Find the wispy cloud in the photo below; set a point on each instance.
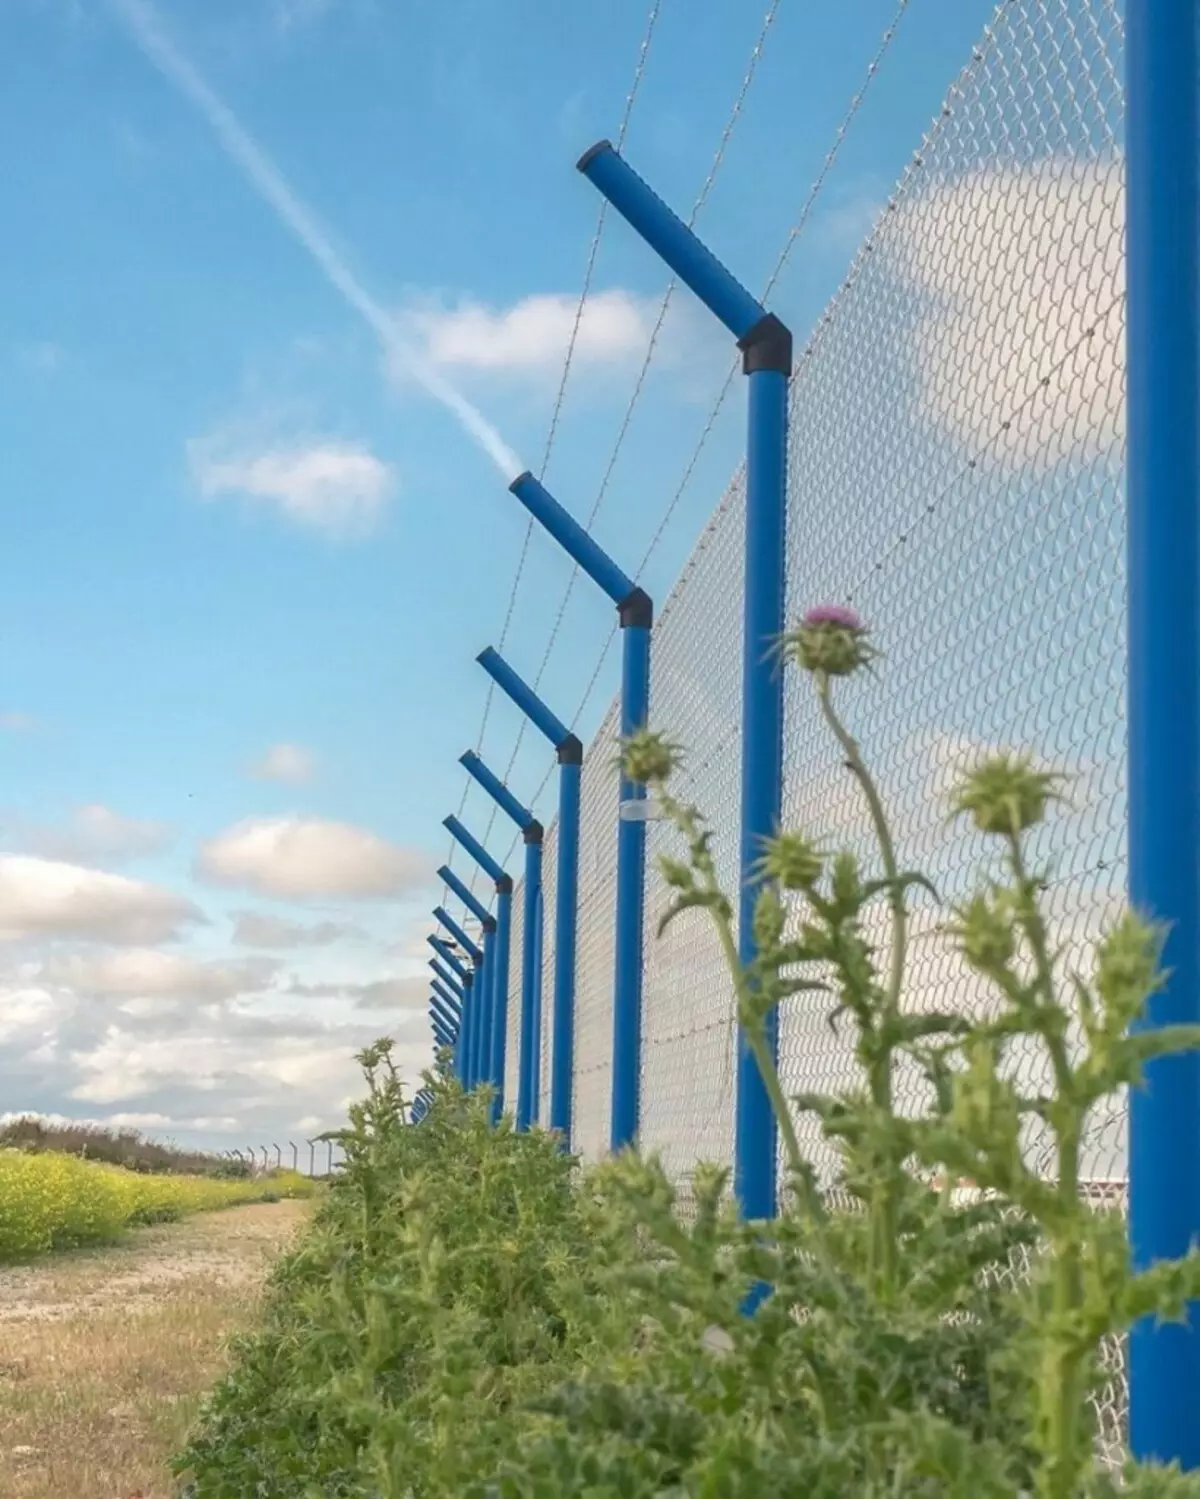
(96, 833)
(535, 333)
(260, 929)
(49, 898)
(401, 358)
(16, 723)
(336, 487)
(295, 858)
(290, 764)
(850, 217)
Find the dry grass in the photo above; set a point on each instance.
(105, 1355)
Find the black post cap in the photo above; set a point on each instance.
(570, 751)
(636, 610)
(534, 833)
(767, 346)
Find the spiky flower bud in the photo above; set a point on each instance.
(985, 931)
(769, 918)
(831, 639)
(1127, 968)
(792, 861)
(1004, 794)
(649, 758)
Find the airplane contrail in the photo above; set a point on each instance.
(143, 25)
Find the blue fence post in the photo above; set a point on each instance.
(443, 918)
(447, 996)
(531, 978)
(766, 346)
(1163, 345)
(635, 612)
(569, 752)
(456, 975)
(494, 1029)
(449, 1017)
(468, 946)
(487, 922)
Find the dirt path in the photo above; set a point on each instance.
(105, 1355)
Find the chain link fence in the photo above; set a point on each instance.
(956, 473)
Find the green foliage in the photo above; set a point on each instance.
(474, 1316)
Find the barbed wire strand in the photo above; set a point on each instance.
(793, 236)
(556, 413)
(651, 347)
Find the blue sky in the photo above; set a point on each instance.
(249, 562)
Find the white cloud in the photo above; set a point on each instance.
(534, 333)
(847, 221)
(126, 1064)
(257, 929)
(147, 973)
(26, 1011)
(16, 723)
(294, 858)
(408, 993)
(291, 764)
(44, 897)
(97, 832)
(339, 488)
(1020, 274)
(305, 228)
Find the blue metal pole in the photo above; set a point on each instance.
(1163, 343)
(447, 956)
(499, 1017)
(454, 984)
(631, 863)
(473, 847)
(453, 1006)
(496, 789)
(464, 893)
(566, 921)
(636, 614)
(524, 697)
(446, 1016)
(571, 536)
(566, 899)
(535, 1064)
(755, 1151)
(482, 1009)
(532, 831)
(766, 347)
(494, 1016)
(528, 1075)
(670, 238)
(456, 931)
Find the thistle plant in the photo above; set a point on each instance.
(474, 1316)
(808, 929)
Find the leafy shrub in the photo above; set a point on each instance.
(471, 1316)
(51, 1201)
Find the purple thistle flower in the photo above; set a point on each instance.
(840, 615)
(830, 639)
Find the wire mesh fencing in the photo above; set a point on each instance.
(956, 473)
